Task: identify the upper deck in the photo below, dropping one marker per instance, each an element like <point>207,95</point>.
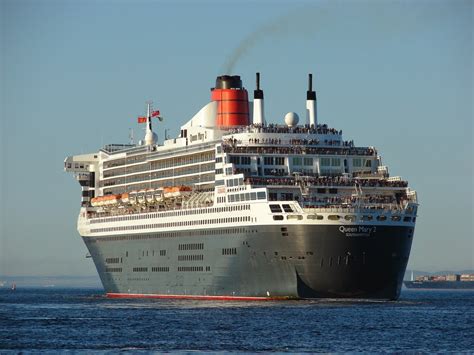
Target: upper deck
<point>228,153</point>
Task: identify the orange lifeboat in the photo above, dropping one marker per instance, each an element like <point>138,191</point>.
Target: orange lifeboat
<point>108,200</point>
<point>95,202</point>
<point>111,200</point>
<point>125,199</point>
<point>176,191</point>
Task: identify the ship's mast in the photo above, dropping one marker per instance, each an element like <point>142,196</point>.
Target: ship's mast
<point>150,137</point>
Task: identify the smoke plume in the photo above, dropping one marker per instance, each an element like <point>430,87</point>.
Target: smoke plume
<point>299,21</point>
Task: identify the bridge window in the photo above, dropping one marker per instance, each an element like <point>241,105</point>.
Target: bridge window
<point>275,208</point>
<point>287,208</point>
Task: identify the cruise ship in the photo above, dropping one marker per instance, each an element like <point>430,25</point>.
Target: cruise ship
<point>238,208</point>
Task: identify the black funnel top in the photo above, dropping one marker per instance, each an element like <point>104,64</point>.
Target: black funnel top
<point>310,94</point>
<point>228,82</point>
<point>258,94</point>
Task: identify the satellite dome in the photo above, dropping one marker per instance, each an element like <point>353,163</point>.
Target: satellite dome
<point>291,119</point>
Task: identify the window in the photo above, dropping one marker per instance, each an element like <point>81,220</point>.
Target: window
<point>275,208</point>
<point>235,159</point>
<point>278,218</point>
<point>325,162</point>
<point>112,260</point>
<point>268,160</point>
<point>113,269</point>
<point>279,161</point>
<point>368,163</point>
<point>295,216</point>
<point>308,161</point>
<point>287,208</point>
<point>261,195</point>
<point>297,161</point>
<point>334,217</point>
<point>229,251</point>
<point>335,161</point>
<point>315,216</point>
<point>356,162</point>
<point>245,160</point>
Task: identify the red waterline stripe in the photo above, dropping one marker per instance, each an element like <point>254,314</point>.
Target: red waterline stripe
<point>194,297</point>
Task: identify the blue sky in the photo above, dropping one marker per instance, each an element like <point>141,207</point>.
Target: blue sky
<point>75,75</point>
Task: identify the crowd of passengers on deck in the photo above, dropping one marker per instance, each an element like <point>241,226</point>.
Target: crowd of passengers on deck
<point>325,181</point>
<point>275,141</point>
<point>349,200</point>
<point>274,128</point>
<point>230,146</point>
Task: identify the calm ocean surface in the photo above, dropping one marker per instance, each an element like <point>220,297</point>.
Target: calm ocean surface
<point>84,320</point>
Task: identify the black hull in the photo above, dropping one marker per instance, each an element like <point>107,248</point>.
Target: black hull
<point>292,261</point>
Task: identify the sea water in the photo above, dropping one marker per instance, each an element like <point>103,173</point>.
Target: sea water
<point>83,320</point>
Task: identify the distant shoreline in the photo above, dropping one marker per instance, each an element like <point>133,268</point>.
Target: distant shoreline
<point>60,281</point>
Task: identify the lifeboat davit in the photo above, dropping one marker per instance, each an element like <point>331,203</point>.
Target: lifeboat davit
<point>150,196</point>
<point>132,197</point>
<point>159,195</point>
<point>141,196</point>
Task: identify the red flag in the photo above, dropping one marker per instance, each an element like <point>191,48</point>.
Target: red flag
<point>155,113</point>
<point>141,119</point>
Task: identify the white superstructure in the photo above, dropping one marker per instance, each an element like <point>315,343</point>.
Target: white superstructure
<point>231,171</point>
